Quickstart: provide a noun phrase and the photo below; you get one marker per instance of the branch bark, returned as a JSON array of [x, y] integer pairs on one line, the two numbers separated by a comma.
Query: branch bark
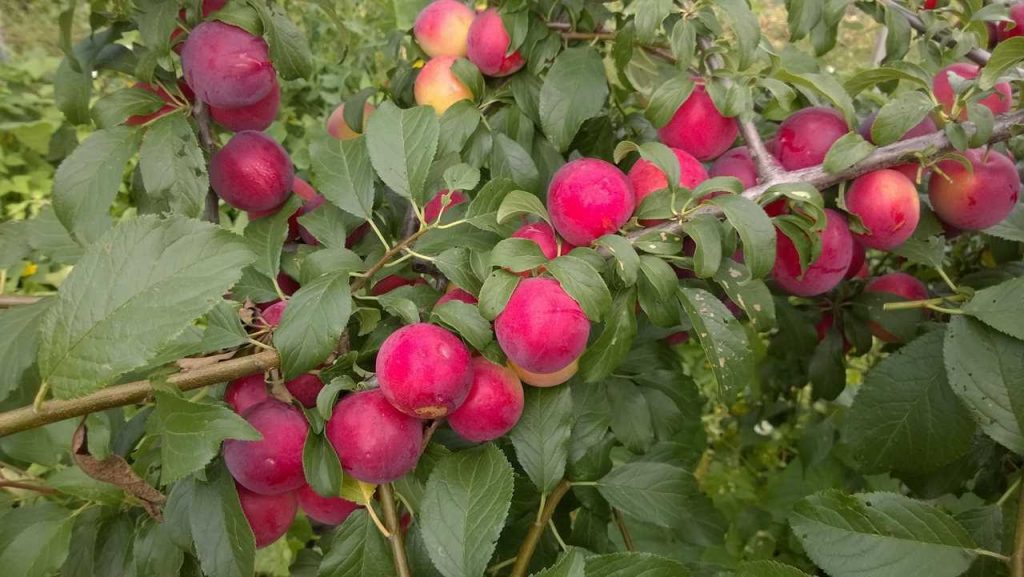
[[976, 55], [394, 526], [529, 545], [1017, 561]]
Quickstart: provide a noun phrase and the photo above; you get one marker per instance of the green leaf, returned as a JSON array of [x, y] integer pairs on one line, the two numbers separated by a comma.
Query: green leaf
[[289, 46], [648, 16], [19, 344], [746, 28], [328, 223], [172, 166], [510, 160], [495, 292], [723, 339], [157, 20], [652, 492], [1007, 54], [154, 554], [634, 565], [116, 107], [752, 296], [34, 539], [827, 368], [768, 569], [465, 319], [899, 116], [342, 173], [569, 565], [890, 73], [191, 434], [847, 151], [880, 535], [312, 323], [159, 275], [520, 202], [321, 466], [86, 183], [627, 263], [986, 370], [905, 416], [402, 144], [574, 90], [606, 353], [541, 438], [461, 177], [755, 229], [454, 264], [822, 84], [464, 508], [667, 99], [583, 283], [357, 550], [1000, 307], [706, 233], [267, 235], [223, 540], [484, 207], [517, 255]]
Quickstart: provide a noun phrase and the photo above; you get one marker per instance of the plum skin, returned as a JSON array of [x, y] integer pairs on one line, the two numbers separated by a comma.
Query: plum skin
[[487, 45], [589, 198], [805, 137], [375, 442], [424, 371], [494, 404], [273, 464], [698, 128], [269, 516], [324, 510], [432, 209], [338, 128], [824, 273], [738, 164], [439, 87], [252, 172], [977, 199], [544, 380], [246, 392], [226, 66], [998, 102], [442, 28], [305, 388], [538, 309], [887, 204], [256, 116]]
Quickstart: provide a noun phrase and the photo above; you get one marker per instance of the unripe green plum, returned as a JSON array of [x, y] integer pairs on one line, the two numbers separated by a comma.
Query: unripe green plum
[[542, 329], [424, 370], [226, 66], [887, 204], [589, 198], [439, 87], [273, 464], [975, 198], [698, 128], [487, 45], [375, 442], [442, 27], [494, 404], [324, 510], [269, 516], [824, 273], [806, 136], [252, 172]]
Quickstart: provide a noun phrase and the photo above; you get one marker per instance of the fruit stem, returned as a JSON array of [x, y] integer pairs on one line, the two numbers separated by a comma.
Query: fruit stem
[[945, 278], [620, 522], [379, 234], [394, 536], [526, 550], [5, 484], [921, 304], [7, 301]]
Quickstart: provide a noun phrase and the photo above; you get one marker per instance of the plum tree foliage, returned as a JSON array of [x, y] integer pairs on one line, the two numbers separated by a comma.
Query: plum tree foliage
[[537, 287]]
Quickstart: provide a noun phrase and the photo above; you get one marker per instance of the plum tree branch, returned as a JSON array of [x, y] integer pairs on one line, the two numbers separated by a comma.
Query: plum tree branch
[[1017, 560], [529, 545], [977, 55], [391, 521]]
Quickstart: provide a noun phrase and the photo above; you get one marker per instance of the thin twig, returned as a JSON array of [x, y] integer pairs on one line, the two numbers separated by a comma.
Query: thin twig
[[387, 501], [620, 522], [976, 55], [4, 484], [529, 545], [8, 301]]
